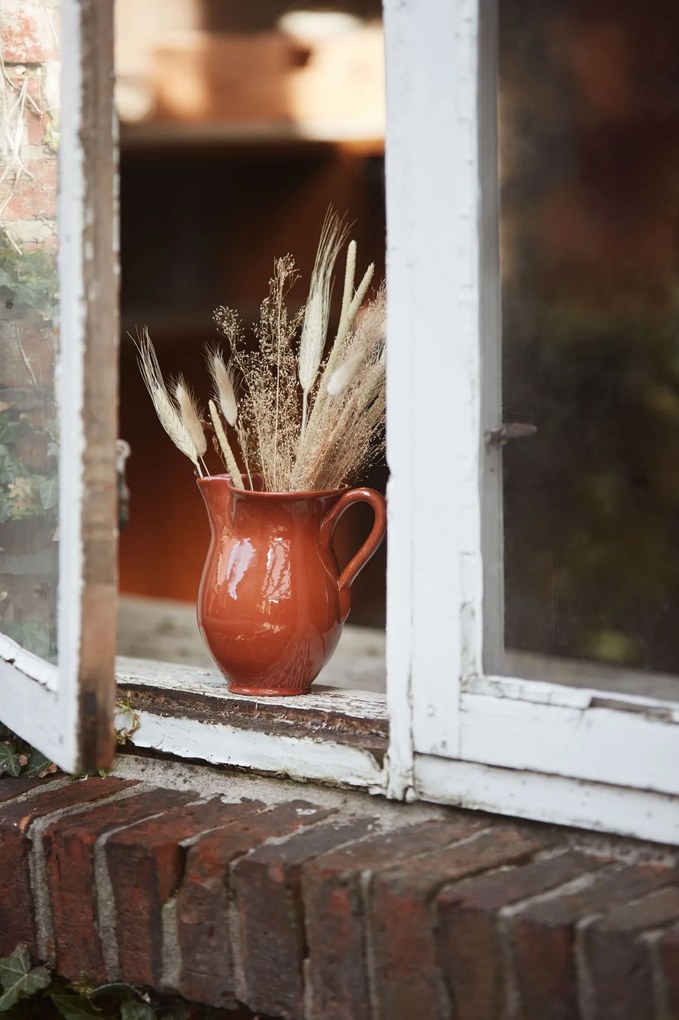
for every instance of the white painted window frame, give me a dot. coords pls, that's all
(460, 734)
(67, 709)
(457, 735)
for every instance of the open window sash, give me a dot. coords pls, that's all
(461, 733)
(66, 710)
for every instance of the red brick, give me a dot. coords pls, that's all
(207, 973)
(36, 125)
(267, 888)
(68, 846)
(27, 36)
(543, 938)
(667, 956)
(618, 961)
(34, 196)
(408, 978)
(146, 863)
(17, 922)
(468, 937)
(10, 788)
(335, 917)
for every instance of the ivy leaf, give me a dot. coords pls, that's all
(6, 280)
(49, 493)
(77, 1007)
(38, 765)
(137, 1011)
(17, 978)
(116, 990)
(10, 763)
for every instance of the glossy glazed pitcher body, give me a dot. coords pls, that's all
(272, 601)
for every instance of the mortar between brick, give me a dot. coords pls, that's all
(172, 960)
(365, 886)
(54, 784)
(504, 915)
(504, 927)
(661, 992)
(38, 871)
(171, 954)
(650, 938)
(233, 922)
(240, 981)
(106, 909)
(574, 885)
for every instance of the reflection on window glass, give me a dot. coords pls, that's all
(589, 122)
(28, 333)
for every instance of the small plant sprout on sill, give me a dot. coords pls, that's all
(284, 409)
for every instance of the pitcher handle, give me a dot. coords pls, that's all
(372, 542)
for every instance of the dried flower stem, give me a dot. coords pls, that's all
(242, 439)
(231, 463)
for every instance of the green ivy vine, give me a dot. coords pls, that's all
(18, 758)
(28, 283)
(29, 992)
(26, 492)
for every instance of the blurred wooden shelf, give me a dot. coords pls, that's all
(266, 88)
(358, 138)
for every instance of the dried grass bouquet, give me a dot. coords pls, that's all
(282, 411)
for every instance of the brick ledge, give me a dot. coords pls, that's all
(320, 905)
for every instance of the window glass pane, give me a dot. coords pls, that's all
(589, 118)
(28, 329)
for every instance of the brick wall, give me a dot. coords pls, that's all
(312, 908)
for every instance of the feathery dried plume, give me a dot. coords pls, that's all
(349, 279)
(344, 373)
(223, 386)
(166, 410)
(315, 324)
(351, 302)
(190, 415)
(346, 435)
(300, 422)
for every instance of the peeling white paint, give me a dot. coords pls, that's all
(444, 390)
(38, 701)
(319, 759)
(506, 791)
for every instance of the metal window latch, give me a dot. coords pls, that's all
(122, 453)
(499, 437)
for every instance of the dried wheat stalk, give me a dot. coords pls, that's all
(301, 422)
(224, 446)
(167, 411)
(315, 324)
(191, 418)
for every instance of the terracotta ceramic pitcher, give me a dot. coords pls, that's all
(272, 602)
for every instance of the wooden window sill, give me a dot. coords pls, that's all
(339, 733)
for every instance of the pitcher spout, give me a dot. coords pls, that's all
(216, 492)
